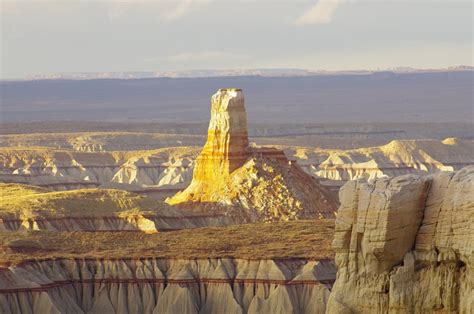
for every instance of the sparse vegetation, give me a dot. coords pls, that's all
(285, 240)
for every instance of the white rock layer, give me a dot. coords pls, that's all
(406, 245)
(166, 286)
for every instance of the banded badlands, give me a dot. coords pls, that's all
(241, 269)
(166, 170)
(245, 228)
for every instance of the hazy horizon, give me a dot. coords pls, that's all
(377, 97)
(46, 37)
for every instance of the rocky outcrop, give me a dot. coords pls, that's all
(270, 188)
(150, 285)
(406, 245)
(256, 184)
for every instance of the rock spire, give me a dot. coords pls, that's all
(249, 183)
(226, 149)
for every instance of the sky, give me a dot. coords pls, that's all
(43, 37)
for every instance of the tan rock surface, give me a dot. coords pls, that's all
(406, 245)
(226, 148)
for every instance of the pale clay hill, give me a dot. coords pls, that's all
(173, 167)
(63, 170)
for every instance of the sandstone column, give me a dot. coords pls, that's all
(226, 148)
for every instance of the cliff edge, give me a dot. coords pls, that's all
(405, 245)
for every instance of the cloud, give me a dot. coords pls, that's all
(180, 10)
(206, 56)
(320, 13)
(169, 10)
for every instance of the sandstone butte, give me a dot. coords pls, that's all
(261, 183)
(226, 148)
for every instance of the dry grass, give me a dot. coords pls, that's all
(308, 239)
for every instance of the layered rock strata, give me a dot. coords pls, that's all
(406, 245)
(172, 168)
(66, 170)
(166, 286)
(117, 222)
(396, 158)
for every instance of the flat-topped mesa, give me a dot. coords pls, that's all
(226, 149)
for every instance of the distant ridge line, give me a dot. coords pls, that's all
(207, 73)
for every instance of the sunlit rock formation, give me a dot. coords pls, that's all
(405, 245)
(256, 184)
(226, 149)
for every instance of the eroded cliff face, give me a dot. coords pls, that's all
(66, 170)
(405, 245)
(166, 286)
(396, 158)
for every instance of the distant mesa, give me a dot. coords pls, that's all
(450, 141)
(261, 181)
